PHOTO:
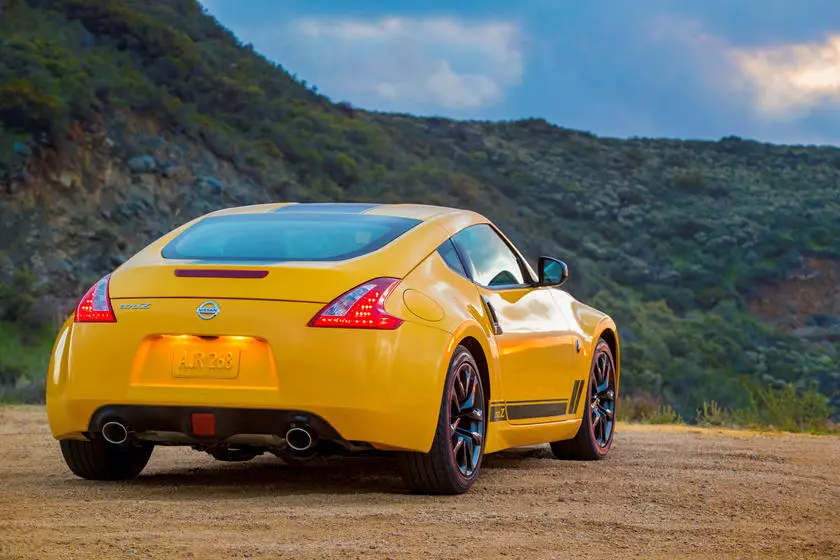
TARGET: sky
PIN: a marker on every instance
(701, 69)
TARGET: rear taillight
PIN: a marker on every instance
(363, 307)
(95, 307)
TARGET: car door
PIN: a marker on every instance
(536, 346)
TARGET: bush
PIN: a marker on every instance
(647, 409)
(712, 415)
(781, 408)
(25, 107)
(791, 410)
(24, 360)
(663, 414)
(18, 296)
(635, 407)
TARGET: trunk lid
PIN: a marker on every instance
(310, 282)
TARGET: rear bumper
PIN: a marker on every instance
(378, 387)
(228, 422)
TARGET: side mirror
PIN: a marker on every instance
(553, 272)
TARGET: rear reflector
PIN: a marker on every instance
(363, 307)
(203, 423)
(95, 307)
(219, 273)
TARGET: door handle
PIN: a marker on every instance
(494, 319)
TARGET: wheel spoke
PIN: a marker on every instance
(470, 387)
(596, 416)
(474, 414)
(606, 412)
(469, 448)
(473, 436)
(607, 431)
(454, 406)
(460, 389)
(459, 444)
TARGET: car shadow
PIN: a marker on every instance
(512, 458)
(268, 476)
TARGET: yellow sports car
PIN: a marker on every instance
(303, 329)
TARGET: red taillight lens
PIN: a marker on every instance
(363, 307)
(95, 307)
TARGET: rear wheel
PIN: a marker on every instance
(99, 460)
(452, 465)
(594, 438)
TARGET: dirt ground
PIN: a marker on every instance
(663, 492)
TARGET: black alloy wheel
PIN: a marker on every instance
(597, 428)
(452, 464)
(466, 413)
(602, 401)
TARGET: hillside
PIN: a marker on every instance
(120, 120)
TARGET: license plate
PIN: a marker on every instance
(205, 361)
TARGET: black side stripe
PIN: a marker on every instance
(576, 391)
(545, 408)
(537, 410)
(522, 410)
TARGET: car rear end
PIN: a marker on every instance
(240, 327)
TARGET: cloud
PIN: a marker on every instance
(402, 63)
(789, 80)
(776, 83)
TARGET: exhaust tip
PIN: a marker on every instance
(114, 432)
(299, 439)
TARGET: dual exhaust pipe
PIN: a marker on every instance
(116, 432)
(298, 438)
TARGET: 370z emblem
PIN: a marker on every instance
(208, 310)
(135, 305)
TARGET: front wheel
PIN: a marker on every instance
(452, 465)
(595, 435)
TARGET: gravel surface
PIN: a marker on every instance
(663, 492)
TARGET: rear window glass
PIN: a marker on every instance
(286, 237)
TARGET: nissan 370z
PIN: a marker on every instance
(305, 329)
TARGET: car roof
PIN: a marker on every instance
(421, 212)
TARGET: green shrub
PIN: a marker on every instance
(791, 410)
(636, 407)
(24, 360)
(780, 408)
(712, 415)
(18, 295)
(663, 414)
(24, 106)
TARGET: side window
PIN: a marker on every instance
(450, 256)
(493, 263)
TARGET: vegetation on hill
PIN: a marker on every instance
(673, 238)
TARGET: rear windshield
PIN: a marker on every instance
(286, 237)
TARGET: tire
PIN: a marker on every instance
(595, 435)
(453, 463)
(99, 460)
